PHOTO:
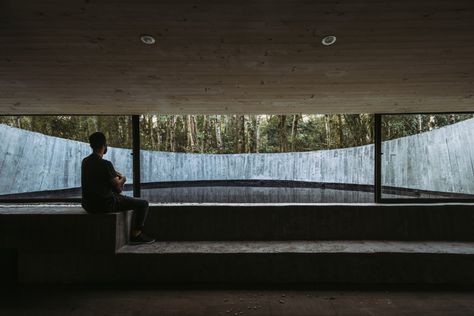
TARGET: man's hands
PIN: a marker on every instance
(118, 182)
(121, 176)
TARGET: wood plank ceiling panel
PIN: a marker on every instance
(259, 56)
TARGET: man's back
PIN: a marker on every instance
(96, 176)
(101, 185)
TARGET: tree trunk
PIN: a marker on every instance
(218, 131)
(257, 133)
(151, 132)
(420, 123)
(294, 130)
(172, 133)
(157, 130)
(190, 133)
(340, 131)
(358, 128)
(327, 126)
(241, 134)
(128, 132)
(283, 134)
(194, 132)
(206, 137)
(432, 124)
(253, 134)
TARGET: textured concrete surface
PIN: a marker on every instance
(247, 268)
(346, 246)
(440, 160)
(120, 301)
(255, 194)
(61, 228)
(32, 161)
(38, 208)
(311, 222)
(117, 301)
(61, 247)
(239, 222)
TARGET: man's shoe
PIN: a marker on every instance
(141, 239)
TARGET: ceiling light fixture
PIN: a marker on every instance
(328, 40)
(147, 39)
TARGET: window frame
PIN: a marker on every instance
(136, 163)
(377, 187)
(378, 167)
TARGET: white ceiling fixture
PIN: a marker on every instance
(328, 40)
(147, 39)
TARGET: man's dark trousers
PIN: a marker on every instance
(139, 206)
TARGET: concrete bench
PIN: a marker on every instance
(200, 244)
(61, 228)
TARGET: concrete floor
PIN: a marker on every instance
(107, 301)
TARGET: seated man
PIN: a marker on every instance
(101, 188)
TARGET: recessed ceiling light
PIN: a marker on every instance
(328, 40)
(147, 39)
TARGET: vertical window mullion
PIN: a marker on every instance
(136, 155)
(378, 159)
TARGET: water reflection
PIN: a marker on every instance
(238, 194)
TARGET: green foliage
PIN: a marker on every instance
(236, 133)
(395, 126)
(117, 129)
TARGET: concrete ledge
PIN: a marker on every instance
(61, 228)
(215, 222)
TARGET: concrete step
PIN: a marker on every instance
(270, 247)
(260, 262)
(59, 244)
(216, 222)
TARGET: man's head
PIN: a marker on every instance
(98, 142)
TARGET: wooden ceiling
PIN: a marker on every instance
(229, 56)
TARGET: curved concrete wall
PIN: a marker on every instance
(440, 160)
(351, 165)
(32, 161)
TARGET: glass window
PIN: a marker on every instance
(428, 156)
(40, 156)
(303, 158)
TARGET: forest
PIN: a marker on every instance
(236, 133)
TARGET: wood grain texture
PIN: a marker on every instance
(261, 56)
